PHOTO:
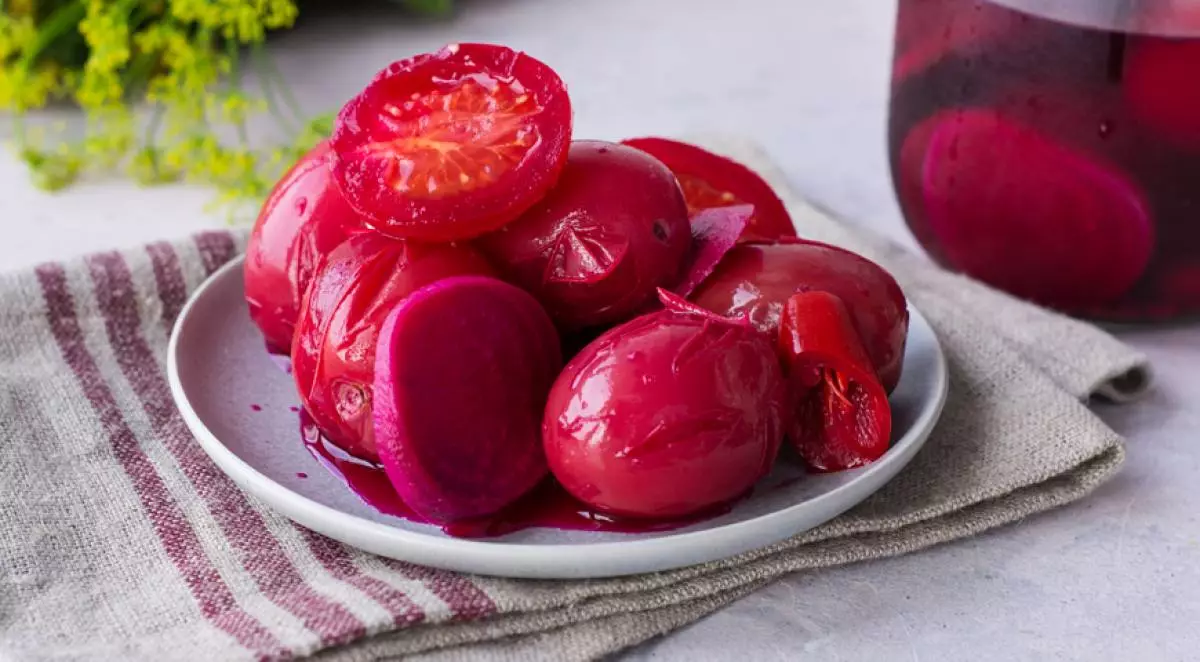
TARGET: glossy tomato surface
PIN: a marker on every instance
(333, 354)
(840, 416)
(666, 415)
(709, 180)
(452, 144)
(756, 280)
(594, 250)
(303, 219)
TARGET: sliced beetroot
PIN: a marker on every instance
(714, 232)
(666, 415)
(1011, 206)
(613, 229)
(333, 355)
(756, 280)
(840, 416)
(303, 218)
(462, 370)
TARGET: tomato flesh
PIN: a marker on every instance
(452, 144)
(709, 180)
(840, 413)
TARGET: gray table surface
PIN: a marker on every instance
(1115, 577)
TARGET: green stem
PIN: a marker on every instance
(273, 73)
(137, 75)
(58, 23)
(153, 124)
(232, 51)
(268, 89)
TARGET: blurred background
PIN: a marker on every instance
(806, 80)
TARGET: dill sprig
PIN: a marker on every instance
(159, 84)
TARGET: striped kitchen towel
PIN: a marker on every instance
(120, 540)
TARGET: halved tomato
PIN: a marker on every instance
(709, 180)
(452, 144)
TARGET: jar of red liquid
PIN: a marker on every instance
(1051, 148)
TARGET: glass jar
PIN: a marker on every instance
(1051, 148)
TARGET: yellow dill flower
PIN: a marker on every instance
(52, 171)
(234, 107)
(105, 29)
(178, 55)
(22, 89)
(110, 136)
(17, 35)
(98, 88)
(20, 8)
(147, 167)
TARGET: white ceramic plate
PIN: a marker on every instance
(239, 405)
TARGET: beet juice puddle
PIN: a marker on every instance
(547, 506)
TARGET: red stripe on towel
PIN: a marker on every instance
(175, 533)
(466, 600)
(172, 292)
(261, 553)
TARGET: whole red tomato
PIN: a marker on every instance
(756, 280)
(304, 218)
(333, 354)
(594, 250)
(666, 415)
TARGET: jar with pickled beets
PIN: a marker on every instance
(1050, 148)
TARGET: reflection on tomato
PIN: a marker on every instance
(303, 219)
(666, 415)
(612, 230)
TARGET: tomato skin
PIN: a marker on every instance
(756, 280)
(333, 354)
(303, 218)
(709, 180)
(452, 144)
(666, 415)
(840, 416)
(592, 255)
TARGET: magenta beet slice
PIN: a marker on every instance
(1017, 209)
(462, 371)
(714, 232)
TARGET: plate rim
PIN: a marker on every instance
(586, 560)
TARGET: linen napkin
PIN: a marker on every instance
(119, 539)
